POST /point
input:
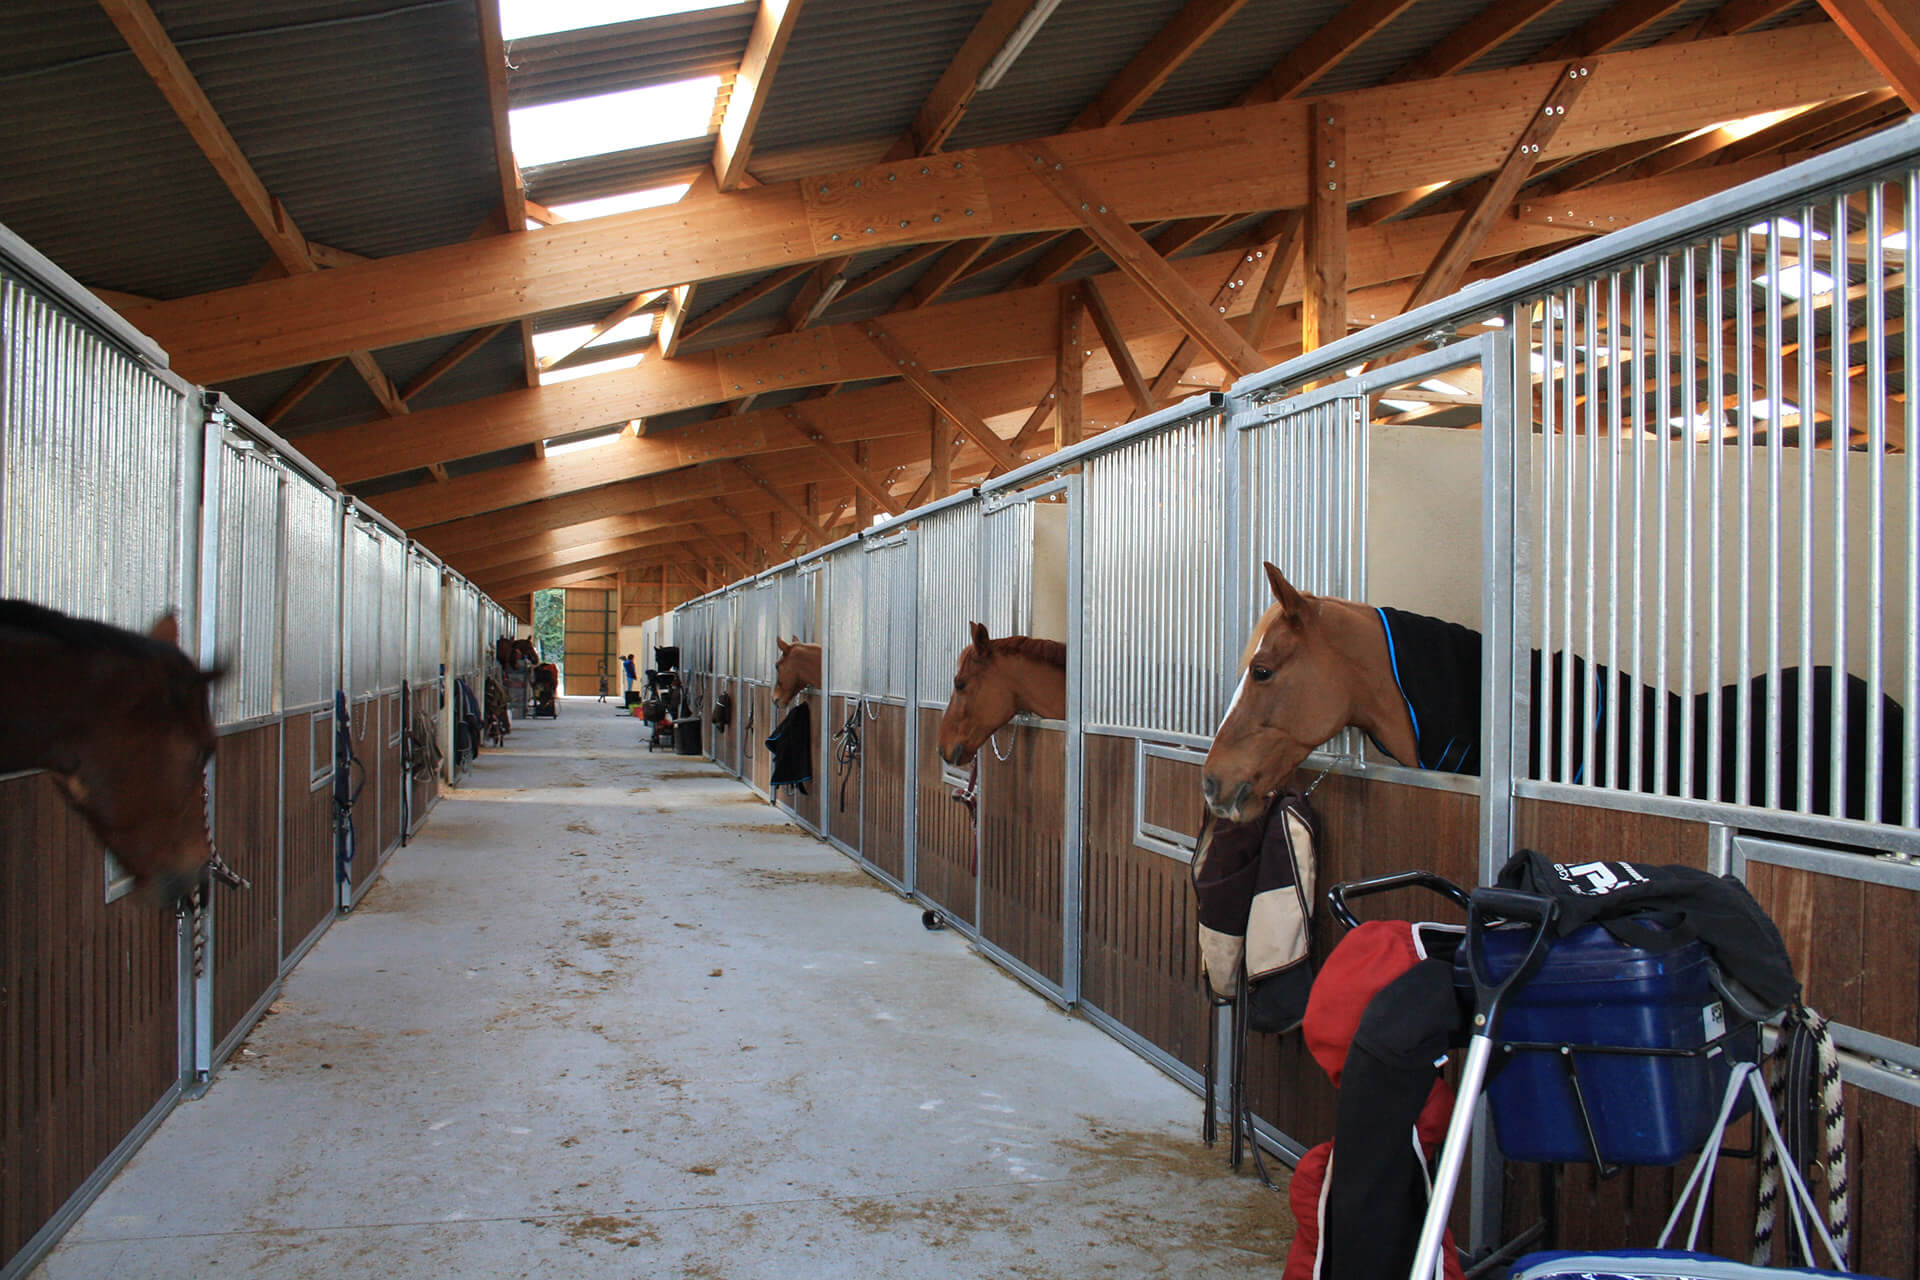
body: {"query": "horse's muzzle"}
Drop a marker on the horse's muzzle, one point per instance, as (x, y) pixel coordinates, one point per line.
(170, 889)
(1229, 806)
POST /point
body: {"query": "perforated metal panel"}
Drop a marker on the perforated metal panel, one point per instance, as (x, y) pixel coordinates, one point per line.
(950, 559)
(311, 632)
(423, 620)
(890, 590)
(846, 655)
(94, 453)
(247, 626)
(363, 607)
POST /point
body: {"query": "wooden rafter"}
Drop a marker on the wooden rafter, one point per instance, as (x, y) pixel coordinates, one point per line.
(300, 390)
(1467, 43)
(822, 285)
(940, 394)
(766, 45)
(807, 525)
(1887, 34)
(447, 363)
(673, 325)
(1199, 168)
(953, 93)
(842, 460)
(1069, 379)
(1322, 51)
(1324, 308)
(1116, 345)
(606, 324)
(1196, 23)
(1135, 257)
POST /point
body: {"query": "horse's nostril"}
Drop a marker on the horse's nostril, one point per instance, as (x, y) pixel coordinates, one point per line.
(1210, 788)
(1240, 794)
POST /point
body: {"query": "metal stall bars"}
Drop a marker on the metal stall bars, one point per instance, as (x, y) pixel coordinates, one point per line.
(310, 672)
(373, 625)
(845, 665)
(423, 685)
(754, 710)
(730, 610)
(948, 598)
(801, 584)
(1699, 556)
(98, 517)
(887, 730)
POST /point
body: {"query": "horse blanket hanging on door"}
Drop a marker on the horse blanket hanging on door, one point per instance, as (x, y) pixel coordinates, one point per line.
(1254, 882)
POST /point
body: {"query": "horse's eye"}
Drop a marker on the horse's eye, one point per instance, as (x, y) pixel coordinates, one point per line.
(959, 685)
(1260, 674)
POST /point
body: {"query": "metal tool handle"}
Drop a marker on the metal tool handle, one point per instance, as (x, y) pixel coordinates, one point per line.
(1338, 895)
(1510, 905)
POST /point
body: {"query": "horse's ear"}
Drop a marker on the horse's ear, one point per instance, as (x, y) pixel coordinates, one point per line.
(166, 629)
(784, 646)
(1290, 602)
(981, 640)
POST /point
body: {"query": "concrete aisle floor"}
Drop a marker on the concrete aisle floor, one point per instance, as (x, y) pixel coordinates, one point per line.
(611, 1015)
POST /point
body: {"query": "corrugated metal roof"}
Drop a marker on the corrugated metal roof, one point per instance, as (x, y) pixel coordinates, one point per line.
(1239, 56)
(628, 55)
(859, 69)
(618, 171)
(1562, 19)
(1075, 54)
(1399, 42)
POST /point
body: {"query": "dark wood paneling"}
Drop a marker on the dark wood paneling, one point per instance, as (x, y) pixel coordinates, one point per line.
(246, 936)
(842, 783)
(1140, 958)
(1022, 848)
(89, 1012)
(425, 781)
(1572, 832)
(391, 779)
(943, 855)
(883, 790)
(753, 737)
(308, 896)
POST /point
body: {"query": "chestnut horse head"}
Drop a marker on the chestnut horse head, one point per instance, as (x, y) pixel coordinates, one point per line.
(997, 680)
(121, 722)
(1314, 666)
(797, 670)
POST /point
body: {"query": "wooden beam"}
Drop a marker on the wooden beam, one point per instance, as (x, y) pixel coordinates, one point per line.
(605, 324)
(708, 537)
(1449, 266)
(1887, 34)
(1134, 256)
(745, 298)
(1116, 345)
(944, 273)
(1324, 312)
(446, 363)
(309, 381)
(1070, 363)
(766, 45)
(1612, 25)
(673, 325)
(822, 286)
(843, 460)
(1043, 409)
(1283, 255)
(1324, 50)
(940, 474)
(940, 395)
(953, 93)
(1196, 23)
(493, 54)
(1204, 164)
(1243, 268)
(786, 504)
(890, 268)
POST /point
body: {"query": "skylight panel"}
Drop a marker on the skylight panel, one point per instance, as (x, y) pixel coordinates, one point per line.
(632, 329)
(625, 202)
(607, 122)
(585, 442)
(550, 376)
(522, 18)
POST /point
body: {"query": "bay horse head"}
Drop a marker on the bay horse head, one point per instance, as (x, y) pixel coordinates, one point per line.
(797, 670)
(122, 723)
(997, 680)
(1310, 670)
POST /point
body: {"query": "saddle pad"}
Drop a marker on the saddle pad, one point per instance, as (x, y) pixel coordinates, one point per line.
(1648, 1264)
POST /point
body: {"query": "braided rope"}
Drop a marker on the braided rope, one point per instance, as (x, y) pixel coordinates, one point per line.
(1807, 1032)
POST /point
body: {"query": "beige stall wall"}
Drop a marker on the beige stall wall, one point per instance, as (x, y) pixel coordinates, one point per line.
(1423, 550)
(1049, 611)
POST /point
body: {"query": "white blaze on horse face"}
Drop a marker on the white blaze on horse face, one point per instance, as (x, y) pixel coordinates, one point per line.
(1238, 690)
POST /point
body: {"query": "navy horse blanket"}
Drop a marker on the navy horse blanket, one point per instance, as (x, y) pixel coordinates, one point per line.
(1437, 666)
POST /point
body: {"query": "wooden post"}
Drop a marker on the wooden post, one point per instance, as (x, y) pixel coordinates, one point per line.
(1323, 315)
(1069, 419)
(862, 501)
(942, 473)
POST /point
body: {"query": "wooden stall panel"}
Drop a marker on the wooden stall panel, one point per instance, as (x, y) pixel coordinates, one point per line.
(425, 780)
(391, 777)
(1140, 958)
(307, 832)
(1022, 849)
(753, 739)
(943, 861)
(843, 783)
(89, 1008)
(246, 941)
(1576, 833)
(883, 751)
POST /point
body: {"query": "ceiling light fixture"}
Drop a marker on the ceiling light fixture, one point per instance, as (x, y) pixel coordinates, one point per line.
(997, 66)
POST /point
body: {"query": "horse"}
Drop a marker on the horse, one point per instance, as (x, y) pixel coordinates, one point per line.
(1316, 665)
(513, 654)
(121, 722)
(797, 670)
(997, 680)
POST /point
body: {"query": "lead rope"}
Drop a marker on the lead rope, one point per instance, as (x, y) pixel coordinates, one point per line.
(194, 905)
(846, 749)
(1809, 1061)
